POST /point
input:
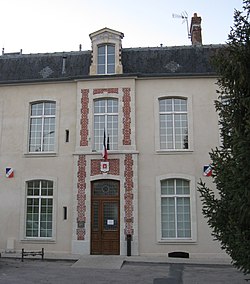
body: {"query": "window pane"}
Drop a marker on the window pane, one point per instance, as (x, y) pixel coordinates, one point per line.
(182, 186)
(112, 105)
(50, 108)
(106, 59)
(99, 106)
(181, 131)
(173, 123)
(49, 134)
(110, 212)
(42, 127)
(168, 217)
(167, 187)
(111, 68)
(111, 59)
(99, 126)
(39, 209)
(101, 69)
(165, 105)
(101, 50)
(183, 219)
(166, 131)
(175, 210)
(47, 188)
(112, 129)
(35, 135)
(101, 60)
(106, 188)
(37, 109)
(33, 188)
(106, 118)
(111, 49)
(180, 105)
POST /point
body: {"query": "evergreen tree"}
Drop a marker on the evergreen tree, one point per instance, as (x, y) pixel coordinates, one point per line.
(228, 212)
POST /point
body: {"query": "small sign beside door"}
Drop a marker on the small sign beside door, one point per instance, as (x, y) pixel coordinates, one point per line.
(110, 222)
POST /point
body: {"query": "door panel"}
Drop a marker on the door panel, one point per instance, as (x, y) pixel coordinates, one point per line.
(105, 217)
(95, 231)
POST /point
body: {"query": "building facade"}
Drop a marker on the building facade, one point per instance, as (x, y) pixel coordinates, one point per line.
(152, 109)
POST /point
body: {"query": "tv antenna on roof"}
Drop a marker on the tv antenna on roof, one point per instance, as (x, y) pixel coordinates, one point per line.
(184, 16)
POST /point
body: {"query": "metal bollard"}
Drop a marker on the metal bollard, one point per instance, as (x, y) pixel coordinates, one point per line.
(129, 239)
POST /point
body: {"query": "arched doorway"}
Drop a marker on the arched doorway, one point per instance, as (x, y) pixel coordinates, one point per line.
(105, 217)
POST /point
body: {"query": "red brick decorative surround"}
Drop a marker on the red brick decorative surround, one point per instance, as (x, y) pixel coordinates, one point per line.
(81, 198)
(105, 90)
(126, 116)
(114, 164)
(128, 196)
(114, 167)
(84, 118)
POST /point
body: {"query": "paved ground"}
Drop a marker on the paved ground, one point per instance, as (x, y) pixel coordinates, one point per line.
(13, 271)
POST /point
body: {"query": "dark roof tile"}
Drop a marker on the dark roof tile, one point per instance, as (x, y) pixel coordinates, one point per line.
(164, 61)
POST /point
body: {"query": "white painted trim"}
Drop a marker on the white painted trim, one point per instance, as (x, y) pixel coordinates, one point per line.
(23, 209)
(191, 179)
(28, 103)
(190, 122)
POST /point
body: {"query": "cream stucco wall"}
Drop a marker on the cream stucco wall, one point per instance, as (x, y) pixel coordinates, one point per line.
(150, 164)
(15, 102)
(155, 164)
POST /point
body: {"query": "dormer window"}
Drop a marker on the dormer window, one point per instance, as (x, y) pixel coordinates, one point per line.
(106, 59)
(106, 52)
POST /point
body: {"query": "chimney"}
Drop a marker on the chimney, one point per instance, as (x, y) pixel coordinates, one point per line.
(195, 30)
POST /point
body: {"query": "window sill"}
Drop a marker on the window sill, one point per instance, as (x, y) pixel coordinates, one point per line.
(174, 152)
(172, 241)
(177, 241)
(40, 154)
(37, 240)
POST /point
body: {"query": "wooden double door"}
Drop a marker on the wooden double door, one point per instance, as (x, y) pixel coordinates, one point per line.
(105, 217)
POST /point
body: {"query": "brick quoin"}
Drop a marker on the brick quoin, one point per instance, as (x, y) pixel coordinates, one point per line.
(105, 90)
(81, 196)
(114, 167)
(80, 234)
(126, 116)
(84, 117)
(128, 196)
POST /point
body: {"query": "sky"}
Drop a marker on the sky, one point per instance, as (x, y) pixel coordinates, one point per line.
(41, 26)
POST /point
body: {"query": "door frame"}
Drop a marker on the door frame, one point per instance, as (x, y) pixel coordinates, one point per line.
(100, 237)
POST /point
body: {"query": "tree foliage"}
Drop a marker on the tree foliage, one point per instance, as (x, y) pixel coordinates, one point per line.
(228, 213)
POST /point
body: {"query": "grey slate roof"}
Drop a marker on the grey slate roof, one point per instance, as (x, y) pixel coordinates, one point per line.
(158, 61)
(183, 60)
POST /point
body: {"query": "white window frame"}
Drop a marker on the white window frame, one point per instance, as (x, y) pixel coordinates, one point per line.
(173, 113)
(43, 116)
(23, 210)
(176, 95)
(105, 115)
(191, 180)
(106, 63)
(26, 135)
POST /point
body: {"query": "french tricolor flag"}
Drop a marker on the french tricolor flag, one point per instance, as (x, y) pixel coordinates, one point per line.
(9, 172)
(105, 146)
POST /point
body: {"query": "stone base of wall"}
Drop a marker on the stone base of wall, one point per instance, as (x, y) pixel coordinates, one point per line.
(81, 247)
